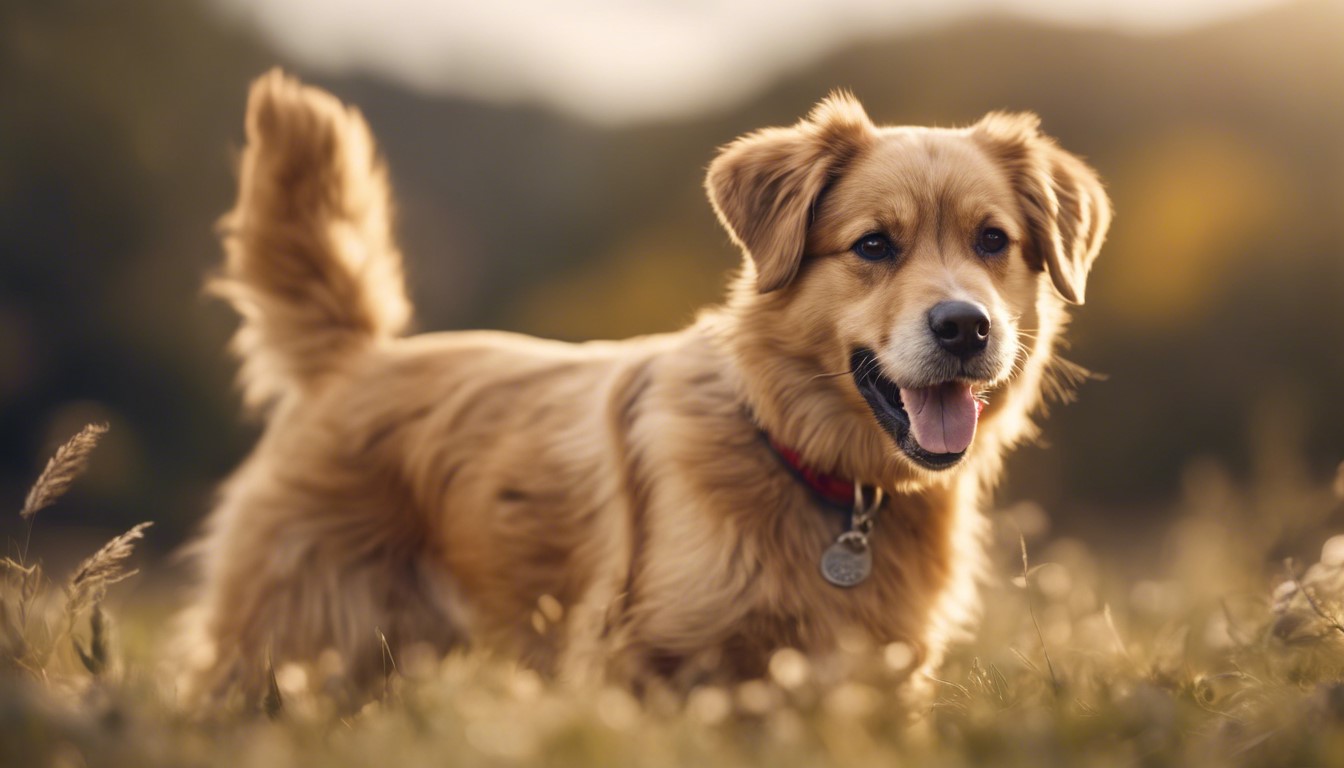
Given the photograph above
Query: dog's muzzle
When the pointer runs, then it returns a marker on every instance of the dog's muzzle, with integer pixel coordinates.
(932, 425)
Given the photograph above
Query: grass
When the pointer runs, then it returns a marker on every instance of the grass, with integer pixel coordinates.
(1215, 653)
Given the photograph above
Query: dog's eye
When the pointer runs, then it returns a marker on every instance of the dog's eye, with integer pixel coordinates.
(992, 240)
(874, 247)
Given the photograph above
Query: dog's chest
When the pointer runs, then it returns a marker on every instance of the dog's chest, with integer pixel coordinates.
(755, 583)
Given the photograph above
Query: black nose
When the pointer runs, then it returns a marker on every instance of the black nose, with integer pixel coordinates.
(960, 327)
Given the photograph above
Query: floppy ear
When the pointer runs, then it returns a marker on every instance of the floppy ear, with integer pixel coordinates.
(763, 185)
(1066, 207)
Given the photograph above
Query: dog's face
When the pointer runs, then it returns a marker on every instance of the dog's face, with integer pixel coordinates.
(912, 258)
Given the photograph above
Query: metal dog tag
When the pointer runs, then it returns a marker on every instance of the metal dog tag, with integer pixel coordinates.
(848, 561)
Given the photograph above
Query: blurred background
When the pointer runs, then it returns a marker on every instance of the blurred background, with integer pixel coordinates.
(548, 159)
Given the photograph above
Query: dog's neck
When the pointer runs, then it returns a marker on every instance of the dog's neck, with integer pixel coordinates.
(836, 491)
(793, 397)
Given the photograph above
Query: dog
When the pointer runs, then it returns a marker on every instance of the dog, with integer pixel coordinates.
(807, 459)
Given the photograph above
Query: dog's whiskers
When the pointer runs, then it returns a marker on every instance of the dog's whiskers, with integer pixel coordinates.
(1020, 361)
(869, 366)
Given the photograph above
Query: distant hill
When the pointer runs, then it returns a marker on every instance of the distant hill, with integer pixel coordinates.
(1221, 145)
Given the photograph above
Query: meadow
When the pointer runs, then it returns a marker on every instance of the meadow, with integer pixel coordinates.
(1204, 648)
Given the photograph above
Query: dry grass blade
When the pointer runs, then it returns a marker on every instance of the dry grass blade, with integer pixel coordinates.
(272, 703)
(1026, 573)
(389, 663)
(13, 640)
(68, 463)
(1327, 618)
(25, 580)
(95, 658)
(989, 682)
(104, 568)
(1115, 633)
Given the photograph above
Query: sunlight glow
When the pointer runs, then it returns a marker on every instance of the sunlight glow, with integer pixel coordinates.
(630, 60)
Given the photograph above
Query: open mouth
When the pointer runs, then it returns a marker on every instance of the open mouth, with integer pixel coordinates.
(932, 425)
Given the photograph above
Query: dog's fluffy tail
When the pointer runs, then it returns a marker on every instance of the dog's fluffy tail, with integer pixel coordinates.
(311, 263)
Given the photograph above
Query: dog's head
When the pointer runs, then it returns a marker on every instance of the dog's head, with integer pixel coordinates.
(919, 261)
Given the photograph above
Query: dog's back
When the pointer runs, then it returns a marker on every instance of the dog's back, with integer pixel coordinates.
(312, 545)
(324, 540)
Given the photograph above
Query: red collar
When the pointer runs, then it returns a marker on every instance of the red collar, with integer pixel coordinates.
(834, 489)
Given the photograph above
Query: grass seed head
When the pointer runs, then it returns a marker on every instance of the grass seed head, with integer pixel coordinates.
(104, 568)
(67, 464)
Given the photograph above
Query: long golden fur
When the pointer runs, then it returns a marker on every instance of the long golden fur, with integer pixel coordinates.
(611, 509)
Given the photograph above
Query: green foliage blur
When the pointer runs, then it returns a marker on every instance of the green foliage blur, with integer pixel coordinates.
(1214, 310)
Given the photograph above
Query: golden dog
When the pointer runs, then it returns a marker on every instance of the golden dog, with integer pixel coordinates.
(808, 457)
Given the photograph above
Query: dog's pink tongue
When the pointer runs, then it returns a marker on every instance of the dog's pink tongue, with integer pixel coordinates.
(943, 417)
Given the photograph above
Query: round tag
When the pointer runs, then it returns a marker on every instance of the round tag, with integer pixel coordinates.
(848, 561)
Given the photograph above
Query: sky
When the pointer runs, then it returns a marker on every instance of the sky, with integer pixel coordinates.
(621, 61)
